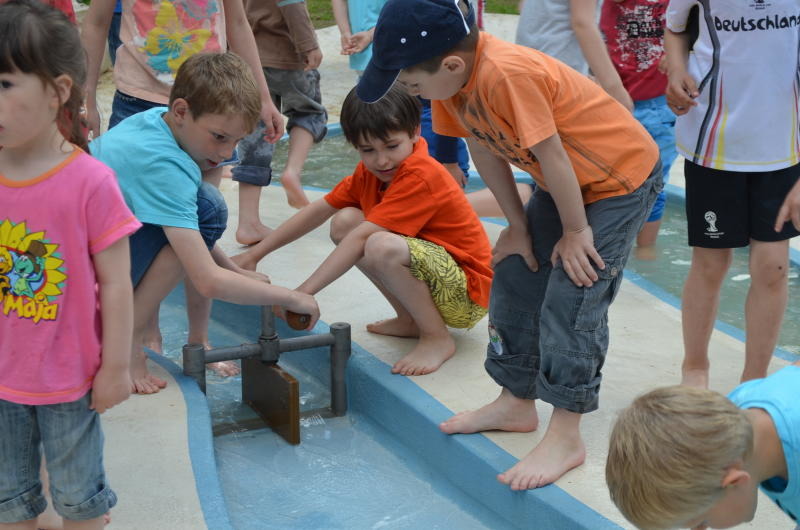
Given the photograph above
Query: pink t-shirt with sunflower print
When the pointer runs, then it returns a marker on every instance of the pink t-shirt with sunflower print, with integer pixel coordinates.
(158, 36)
(50, 227)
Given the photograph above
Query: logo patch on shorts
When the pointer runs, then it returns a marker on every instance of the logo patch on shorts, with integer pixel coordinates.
(495, 341)
(712, 231)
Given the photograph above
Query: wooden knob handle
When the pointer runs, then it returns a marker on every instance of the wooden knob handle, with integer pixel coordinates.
(297, 320)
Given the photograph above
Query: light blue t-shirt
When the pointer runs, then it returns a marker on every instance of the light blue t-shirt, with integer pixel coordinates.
(363, 15)
(778, 395)
(159, 180)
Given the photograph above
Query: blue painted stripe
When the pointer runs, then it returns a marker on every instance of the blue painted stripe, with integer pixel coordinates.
(675, 302)
(289, 2)
(201, 447)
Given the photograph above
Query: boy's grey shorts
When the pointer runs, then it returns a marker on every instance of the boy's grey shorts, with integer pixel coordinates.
(549, 337)
(296, 94)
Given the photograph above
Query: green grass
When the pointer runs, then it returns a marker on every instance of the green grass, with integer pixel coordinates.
(322, 13)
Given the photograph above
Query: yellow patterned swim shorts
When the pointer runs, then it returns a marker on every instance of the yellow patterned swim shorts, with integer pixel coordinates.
(446, 281)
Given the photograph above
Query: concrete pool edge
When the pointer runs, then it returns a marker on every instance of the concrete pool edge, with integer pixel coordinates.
(201, 447)
(408, 413)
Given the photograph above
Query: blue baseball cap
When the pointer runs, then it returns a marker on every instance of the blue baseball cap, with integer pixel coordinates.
(409, 32)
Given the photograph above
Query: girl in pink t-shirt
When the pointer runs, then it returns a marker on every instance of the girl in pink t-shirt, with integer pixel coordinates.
(66, 300)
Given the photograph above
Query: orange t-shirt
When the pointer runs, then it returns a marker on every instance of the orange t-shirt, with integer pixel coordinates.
(517, 96)
(423, 201)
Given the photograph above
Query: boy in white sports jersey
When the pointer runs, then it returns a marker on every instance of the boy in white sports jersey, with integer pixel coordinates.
(737, 102)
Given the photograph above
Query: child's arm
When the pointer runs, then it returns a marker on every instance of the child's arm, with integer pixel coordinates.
(361, 40)
(212, 281)
(301, 32)
(112, 383)
(298, 225)
(242, 42)
(224, 261)
(582, 17)
(344, 256)
(790, 209)
(576, 245)
(313, 58)
(682, 88)
(342, 17)
(497, 174)
(93, 35)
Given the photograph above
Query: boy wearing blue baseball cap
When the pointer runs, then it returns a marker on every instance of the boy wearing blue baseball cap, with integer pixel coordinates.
(558, 265)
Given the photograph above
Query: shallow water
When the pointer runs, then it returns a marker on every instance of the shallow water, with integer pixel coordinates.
(347, 473)
(671, 266)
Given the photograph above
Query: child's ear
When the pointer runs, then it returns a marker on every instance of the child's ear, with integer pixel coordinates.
(735, 475)
(417, 133)
(454, 64)
(63, 84)
(180, 109)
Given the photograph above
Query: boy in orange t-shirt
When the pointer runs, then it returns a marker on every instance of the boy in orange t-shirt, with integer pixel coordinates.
(405, 223)
(559, 264)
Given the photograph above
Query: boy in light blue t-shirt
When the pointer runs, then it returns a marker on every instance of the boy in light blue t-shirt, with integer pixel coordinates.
(158, 156)
(686, 457)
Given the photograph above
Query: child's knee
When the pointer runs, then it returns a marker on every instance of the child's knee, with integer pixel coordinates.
(712, 264)
(385, 248)
(212, 213)
(769, 272)
(343, 223)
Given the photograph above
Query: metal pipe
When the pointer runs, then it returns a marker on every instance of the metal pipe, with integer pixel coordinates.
(233, 352)
(340, 353)
(305, 342)
(268, 323)
(269, 341)
(194, 364)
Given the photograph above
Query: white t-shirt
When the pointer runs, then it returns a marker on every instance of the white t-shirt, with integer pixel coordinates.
(745, 63)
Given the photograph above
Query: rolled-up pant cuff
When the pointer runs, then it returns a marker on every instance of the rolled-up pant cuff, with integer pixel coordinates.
(28, 505)
(255, 175)
(580, 400)
(513, 374)
(92, 508)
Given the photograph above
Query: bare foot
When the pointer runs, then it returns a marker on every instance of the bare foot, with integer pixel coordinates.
(143, 381)
(154, 343)
(697, 378)
(560, 450)
(251, 233)
(245, 261)
(394, 327)
(221, 368)
(427, 356)
(225, 368)
(295, 195)
(506, 413)
(554, 456)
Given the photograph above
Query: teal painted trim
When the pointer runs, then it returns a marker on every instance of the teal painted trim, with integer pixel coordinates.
(201, 447)
(675, 302)
(283, 3)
